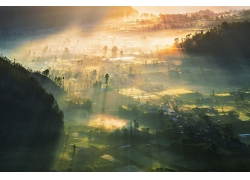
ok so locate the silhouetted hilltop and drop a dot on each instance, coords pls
(30, 118)
(227, 41)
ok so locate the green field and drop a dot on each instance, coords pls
(133, 155)
(168, 156)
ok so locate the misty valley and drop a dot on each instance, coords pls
(112, 89)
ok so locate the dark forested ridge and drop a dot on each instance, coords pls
(30, 117)
(227, 41)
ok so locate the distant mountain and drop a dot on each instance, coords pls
(14, 17)
(186, 9)
(30, 119)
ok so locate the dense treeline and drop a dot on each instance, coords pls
(245, 13)
(29, 116)
(226, 40)
(80, 103)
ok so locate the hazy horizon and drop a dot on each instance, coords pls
(185, 9)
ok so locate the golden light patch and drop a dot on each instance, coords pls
(175, 92)
(107, 122)
(223, 94)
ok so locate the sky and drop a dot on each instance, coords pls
(127, 3)
(155, 6)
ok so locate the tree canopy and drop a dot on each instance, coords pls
(225, 40)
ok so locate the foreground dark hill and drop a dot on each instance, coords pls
(31, 121)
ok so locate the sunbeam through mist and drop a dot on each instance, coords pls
(124, 89)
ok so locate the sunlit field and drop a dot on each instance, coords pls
(223, 94)
(175, 92)
(107, 121)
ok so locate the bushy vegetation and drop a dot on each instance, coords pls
(79, 103)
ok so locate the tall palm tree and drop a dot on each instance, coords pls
(106, 78)
(114, 51)
(105, 49)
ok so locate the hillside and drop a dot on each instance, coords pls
(226, 41)
(30, 119)
(49, 85)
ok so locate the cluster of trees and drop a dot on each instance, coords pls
(45, 72)
(80, 103)
(224, 40)
(57, 79)
(114, 50)
(245, 13)
(129, 134)
(202, 14)
(97, 84)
